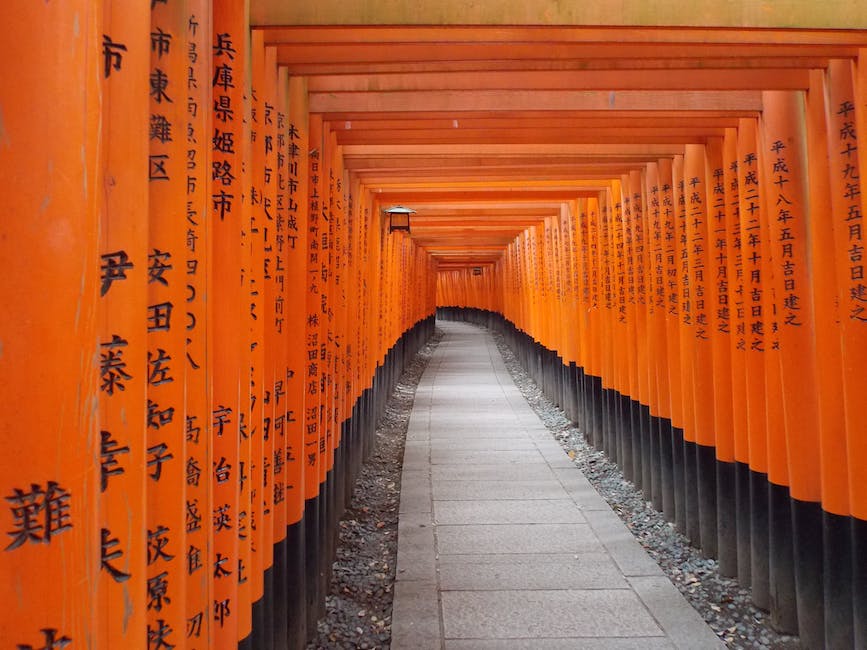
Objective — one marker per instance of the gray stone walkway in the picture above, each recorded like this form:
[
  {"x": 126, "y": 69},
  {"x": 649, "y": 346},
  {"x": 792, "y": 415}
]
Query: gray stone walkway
[{"x": 503, "y": 542}]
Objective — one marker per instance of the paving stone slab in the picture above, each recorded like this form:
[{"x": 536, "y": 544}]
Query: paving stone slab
[
  {"x": 416, "y": 617},
  {"x": 497, "y": 490},
  {"x": 499, "y": 443},
  {"x": 636, "y": 643},
  {"x": 443, "y": 434},
  {"x": 681, "y": 623},
  {"x": 621, "y": 544},
  {"x": 476, "y": 457},
  {"x": 524, "y": 472},
  {"x": 581, "y": 571},
  {"x": 416, "y": 552},
  {"x": 516, "y": 538},
  {"x": 539, "y": 614},
  {"x": 515, "y": 511}
]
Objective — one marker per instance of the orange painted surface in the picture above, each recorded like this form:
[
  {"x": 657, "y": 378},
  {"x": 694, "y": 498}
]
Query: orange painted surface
[
  {"x": 656, "y": 295},
  {"x": 836, "y": 82},
  {"x": 686, "y": 308},
  {"x": 49, "y": 360},
  {"x": 123, "y": 254},
  {"x": 755, "y": 324},
  {"x": 198, "y": 555},
  {"x": 718, "y": 298},
  {"x": 736, "y": 302},
  {"x": 638, "y": 290},
  {"x": 702, "y": 289},
  {"x": 261, "y": 134},
  {"x": 166, "y": 325},
  {"x": 774, "y": 421},
  {"x": 314, "y": 423},
  {"x": 785, "y": 148},
  {"x": 291, "y": 262},
  {"x": 229, "y": 61},
  {"x": 669, "y": 171},
  {"x": 848, "y": 214},
  {"x": 591, "y": 290}
]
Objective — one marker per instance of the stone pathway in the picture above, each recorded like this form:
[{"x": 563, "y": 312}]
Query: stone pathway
[{"x": 502, "y": 541}]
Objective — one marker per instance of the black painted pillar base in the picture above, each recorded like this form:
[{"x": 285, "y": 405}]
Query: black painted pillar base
[
  {"x": 743, "y": 506},
  {"x": 759, "y": 539},
  {"x": 599, "y": 411},
  {"x": 655, "y": 462},
  {"x": 329, "y": 529},
  {"x": 781, "y": 571},
  {"x": 666, "y": 468},
  {"x": 258, "y": 633},
  {"x": 690, "y": 480},
  {"x": 634, "y": 440},
  {"x": 312, "y": 562},
  {"x": 647, "y": 451},
  {"x": 859, "y": 581},
  {"x": 808, "y": 561},
  {"x": 679, "y": 475},
  {"x": 280, "y": 581},
  {"x": 705, "y": 459},
  {"x": 296, "y": 584},
  {"x": 624, "y": 436},
  {"x": 608, "y": 426},
  {"x": 268, "y": 620},
  {"x": 837, "y": 580},
  {"x": 726, "y": 518}
]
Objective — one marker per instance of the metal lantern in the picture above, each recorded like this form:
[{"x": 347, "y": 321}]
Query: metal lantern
[{"x": 398, "y": 218}]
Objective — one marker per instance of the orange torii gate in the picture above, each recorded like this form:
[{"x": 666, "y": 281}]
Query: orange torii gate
[{"x": 207, "y": 308}]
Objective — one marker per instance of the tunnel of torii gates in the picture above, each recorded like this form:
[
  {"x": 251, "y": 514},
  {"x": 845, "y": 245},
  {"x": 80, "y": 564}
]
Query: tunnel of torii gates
[{"x": 206, "y": 307}]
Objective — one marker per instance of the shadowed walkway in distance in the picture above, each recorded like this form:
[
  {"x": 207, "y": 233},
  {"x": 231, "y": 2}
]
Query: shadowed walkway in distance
[{"x": 503, "y": 543}]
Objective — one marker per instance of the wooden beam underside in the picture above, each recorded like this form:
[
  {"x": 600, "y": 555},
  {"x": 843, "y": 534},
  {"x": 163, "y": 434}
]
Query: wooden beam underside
[{"x": 486, "y": 130}]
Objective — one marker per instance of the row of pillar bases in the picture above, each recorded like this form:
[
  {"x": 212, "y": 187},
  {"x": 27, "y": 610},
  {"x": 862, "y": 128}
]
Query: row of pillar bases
[
  {"x": 297, "y": 584},
  {"x": 805, "y": 566}
]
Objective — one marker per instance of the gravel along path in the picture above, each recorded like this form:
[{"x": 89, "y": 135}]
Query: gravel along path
[
  {"x": 723, "y": 603},
  {"x": 359, "y": 604}
]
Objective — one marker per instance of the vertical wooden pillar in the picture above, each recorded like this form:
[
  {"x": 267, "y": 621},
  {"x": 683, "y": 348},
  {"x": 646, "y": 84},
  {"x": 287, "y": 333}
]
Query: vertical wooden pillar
[
  {"x": 673, "y": 431},
  {"x": 681, "y": 401},
  {"x": 577, "y": 226},
  {"x": 261, "y": 139},
  {"x": 701, "y": 297},
  {"x": 836, "y": 548},
  {"x": 198, "y": 553},
  {"x": 167, "y": 324},
  {"x": 643, "y": 305},
  {"x": 122, "y": 331},
  {"x": 593, "y": 291},
  {"x": 51, "y": 553},
  {"x": 719, "y": 315},
  {"x": 229, "y": 71},
  {"x": 661, "y": 405},
  {"x": 847, "y": 117},
  {"x": 785, "y": 145},
  {"x": 608, "y": 322},
  {"x": 753, "y": 260},
  {"x": 247, "y": 524},
  {"x": 313, "y": 405},
  {"x": 619, "y": 325},
  {"x": 738, "y": 345},
  {"x": 291, "y": 263},
  {"x": 274, "y": 266},
  {"x": 687, "y": 204},
  {"x": 630, "y": 427}
]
